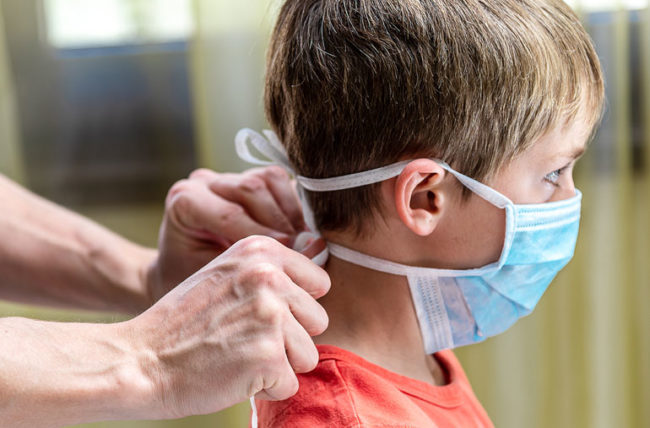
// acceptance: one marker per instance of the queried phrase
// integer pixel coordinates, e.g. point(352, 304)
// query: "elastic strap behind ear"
point(485, 192)
point(351, 181)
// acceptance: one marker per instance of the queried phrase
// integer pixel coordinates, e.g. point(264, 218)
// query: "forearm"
point(55, 374)
point(52, 256)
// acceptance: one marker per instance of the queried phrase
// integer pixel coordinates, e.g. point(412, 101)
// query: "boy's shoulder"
point(347, 391)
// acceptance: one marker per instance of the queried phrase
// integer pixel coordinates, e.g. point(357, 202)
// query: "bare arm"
point(56, 374)
point(237, 328)
point(52, 256)
point(240, 326)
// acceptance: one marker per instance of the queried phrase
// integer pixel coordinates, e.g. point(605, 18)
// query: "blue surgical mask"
point(458, 307)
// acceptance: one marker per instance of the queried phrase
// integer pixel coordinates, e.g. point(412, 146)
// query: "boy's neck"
point(371, 314)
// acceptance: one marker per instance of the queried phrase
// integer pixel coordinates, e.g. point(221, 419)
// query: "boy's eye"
point(554, 176)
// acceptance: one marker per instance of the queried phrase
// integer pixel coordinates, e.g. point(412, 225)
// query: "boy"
point(396, 103)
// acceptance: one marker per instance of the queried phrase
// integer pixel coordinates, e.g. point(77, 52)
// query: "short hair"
point(353, 85)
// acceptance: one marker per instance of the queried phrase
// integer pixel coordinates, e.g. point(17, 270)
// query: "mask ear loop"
point(485, 192)
point(495, 198)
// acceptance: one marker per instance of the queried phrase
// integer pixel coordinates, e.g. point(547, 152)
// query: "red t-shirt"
point(347, 391)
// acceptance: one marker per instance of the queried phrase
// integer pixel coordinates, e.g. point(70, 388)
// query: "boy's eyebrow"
point(578, 152)
point(575, 154)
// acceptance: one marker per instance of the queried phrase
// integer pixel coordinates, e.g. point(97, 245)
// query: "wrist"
point(116, 269)
point(135, 382)
point(132, 281)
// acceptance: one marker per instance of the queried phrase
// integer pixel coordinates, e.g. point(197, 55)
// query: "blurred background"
point(105, 103)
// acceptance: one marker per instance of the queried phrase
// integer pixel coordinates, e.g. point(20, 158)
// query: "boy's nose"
point(565, 191)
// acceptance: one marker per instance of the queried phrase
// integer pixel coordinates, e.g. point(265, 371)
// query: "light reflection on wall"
point(75, 23)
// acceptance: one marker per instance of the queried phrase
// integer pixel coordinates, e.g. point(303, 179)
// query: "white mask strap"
point(485, 192)
point(387, 266)
point(351, 181)
point(272, 148)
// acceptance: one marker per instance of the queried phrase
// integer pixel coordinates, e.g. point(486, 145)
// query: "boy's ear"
point(419, 198)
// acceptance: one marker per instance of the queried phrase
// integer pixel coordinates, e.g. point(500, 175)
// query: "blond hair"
point(353, 85)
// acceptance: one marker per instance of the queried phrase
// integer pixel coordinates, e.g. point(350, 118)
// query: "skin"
point(426, 223)
point(238, 327)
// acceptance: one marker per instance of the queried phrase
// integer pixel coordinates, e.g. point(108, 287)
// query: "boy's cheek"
point(476, 232)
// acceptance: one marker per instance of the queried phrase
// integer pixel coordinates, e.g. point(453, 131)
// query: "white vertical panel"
point(81, 23)
point(84, 22)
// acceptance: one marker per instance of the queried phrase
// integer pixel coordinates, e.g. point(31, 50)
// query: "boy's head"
point(358, 84)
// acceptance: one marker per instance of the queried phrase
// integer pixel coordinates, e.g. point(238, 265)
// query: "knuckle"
point(179, 202)
point(276, 172)
point(263, 274)
point(201, 172)
point(251, 184)
point(178, 187)
point(230, 213)
point(267, 310)
point(257, 244)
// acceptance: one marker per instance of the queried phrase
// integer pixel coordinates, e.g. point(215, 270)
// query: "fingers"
point(310, 277)
point(285, 194)
point(266, 194)
point(284, 385)
point(281, 382)
point(252, 193)
point(307, 311)
point(275, 265)
point(300, 349)
point(278, 285)
point(301, 270)
point(197, 208)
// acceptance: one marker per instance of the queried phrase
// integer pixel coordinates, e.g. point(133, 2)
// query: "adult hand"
point(208, 212)
point(239, 327)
